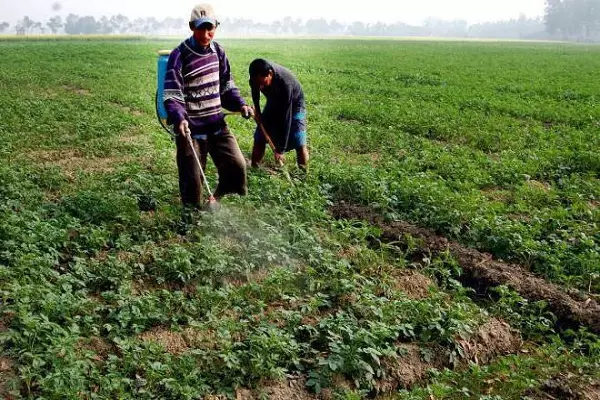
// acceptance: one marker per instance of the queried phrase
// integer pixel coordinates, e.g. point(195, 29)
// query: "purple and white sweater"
point(198, 83)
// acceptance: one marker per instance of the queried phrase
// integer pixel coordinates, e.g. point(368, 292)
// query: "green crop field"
point(445, 243)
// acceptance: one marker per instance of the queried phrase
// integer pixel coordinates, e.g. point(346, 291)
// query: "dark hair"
point(259, 67)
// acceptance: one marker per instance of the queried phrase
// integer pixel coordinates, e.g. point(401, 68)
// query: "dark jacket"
point(285, 98)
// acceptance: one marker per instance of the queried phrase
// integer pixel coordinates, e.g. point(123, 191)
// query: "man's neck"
point(198, 46)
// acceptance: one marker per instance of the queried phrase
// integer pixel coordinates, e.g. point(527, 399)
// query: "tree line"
point(577, 20)
point(563, 19)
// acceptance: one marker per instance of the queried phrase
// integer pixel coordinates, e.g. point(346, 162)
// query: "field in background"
point(107, 293)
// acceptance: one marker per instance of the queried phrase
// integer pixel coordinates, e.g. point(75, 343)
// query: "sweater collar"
point(194, 45)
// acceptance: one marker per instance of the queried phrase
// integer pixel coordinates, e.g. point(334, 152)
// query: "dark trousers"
point(227, 156)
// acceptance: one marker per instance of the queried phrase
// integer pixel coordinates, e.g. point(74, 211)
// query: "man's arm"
point(255, 98)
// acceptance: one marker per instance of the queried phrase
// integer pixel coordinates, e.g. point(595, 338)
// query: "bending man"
point(284, 115)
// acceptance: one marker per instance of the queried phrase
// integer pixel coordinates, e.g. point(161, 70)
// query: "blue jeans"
point(296, 139)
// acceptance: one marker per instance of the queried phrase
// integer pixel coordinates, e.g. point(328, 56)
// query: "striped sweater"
point(198, 83)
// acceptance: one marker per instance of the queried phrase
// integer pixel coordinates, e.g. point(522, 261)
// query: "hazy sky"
point(408, 11)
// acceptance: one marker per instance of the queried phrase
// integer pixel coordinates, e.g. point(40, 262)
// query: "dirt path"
point(481, 271)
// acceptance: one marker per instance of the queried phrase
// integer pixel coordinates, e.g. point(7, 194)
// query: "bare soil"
point(6, 374)
point(289, 389)
point(71, 161)
point(414, 284)
point(173, 342)
point(100, 346)
point(493, 339)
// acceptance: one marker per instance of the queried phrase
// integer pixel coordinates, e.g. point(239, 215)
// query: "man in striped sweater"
point(198, 82)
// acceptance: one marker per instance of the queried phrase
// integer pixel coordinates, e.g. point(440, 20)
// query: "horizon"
point(469, 11)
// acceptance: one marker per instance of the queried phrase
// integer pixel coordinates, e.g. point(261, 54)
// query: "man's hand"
point(184, 128)
point(247, 112)
point(279, 158)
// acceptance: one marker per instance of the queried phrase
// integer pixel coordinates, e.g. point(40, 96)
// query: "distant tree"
point(276, 27)
point(152, 25)
point(171, 25)
point(317, 27)
point(88, 25)
point(402, 29)
point(521, 28)
point(54, 24)
point(120, 23)
point(71, 24)
point(25, 26)
point(239, 26)
point(104, 26)
point(551, 15)
point(587, 16)
point(4, 26)
point(441, 28)
point(293, 26)
point(76, 25)
point(573, 19)
point(37, 26)
point(286, 25)
point(378, 29)
point(145, 25)
point(358, 29)
point(336, 28)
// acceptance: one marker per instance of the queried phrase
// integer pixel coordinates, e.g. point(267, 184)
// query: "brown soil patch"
point(480, 271)
point(493, 339)
point(290, 389)
point(71, 161)
point(413, 284)
point(256, 276)
point(128, 109)
point(349, 252)
point(177, 343)
point(6, 374)
point(361, 159)
point(99, 346)
point(5, 364)
point(121, 255)
point(173, 342)
point(542, 186)
point(407, 369)
point(591, 392)
point(76, 89)
point(134, 136)
point(497, 194)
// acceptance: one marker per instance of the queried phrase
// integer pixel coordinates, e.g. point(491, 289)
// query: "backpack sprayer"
point(161, 115)
point(161, 111)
